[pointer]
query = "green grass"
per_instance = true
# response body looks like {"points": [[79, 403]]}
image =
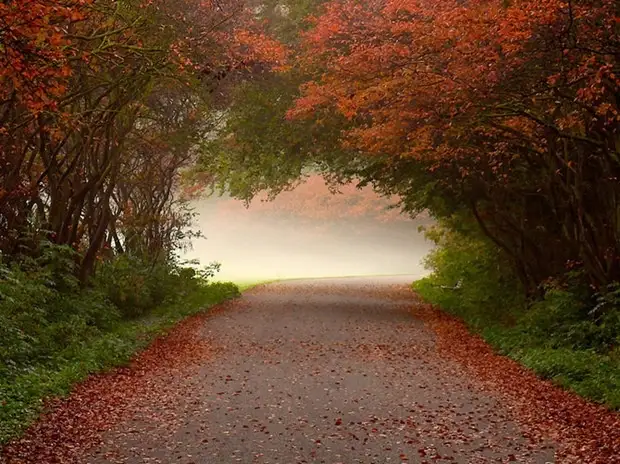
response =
{"points": [[557, 351], [570, 336], [22, 396], [245, 285]]}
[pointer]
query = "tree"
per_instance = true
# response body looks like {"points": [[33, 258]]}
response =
{"points": [[103, 104], [512, 108], [315, 200]]}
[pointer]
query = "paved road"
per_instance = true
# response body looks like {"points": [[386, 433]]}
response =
{"points": [[319, 371]]}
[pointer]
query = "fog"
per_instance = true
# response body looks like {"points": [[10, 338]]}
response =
{"points": [[294, 238]]}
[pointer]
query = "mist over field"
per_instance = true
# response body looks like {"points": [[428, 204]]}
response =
{"points": [[308, 235]]}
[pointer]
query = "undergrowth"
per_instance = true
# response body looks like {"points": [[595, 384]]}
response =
{"points": [[54, 333], [570, 335]]}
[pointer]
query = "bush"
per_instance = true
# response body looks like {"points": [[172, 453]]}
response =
{"points": [[135, 287], [571, 335], [127, 282], [54, 333], [471, 279], [564, 319], [38, 320]]}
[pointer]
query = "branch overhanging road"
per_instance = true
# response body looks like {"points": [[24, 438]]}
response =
{"points": [[316, 371]]}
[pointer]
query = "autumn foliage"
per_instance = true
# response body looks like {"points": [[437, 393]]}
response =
{"points": [[35, 62], [499, 119], [101, 106], [312, 201], [511, 109]]}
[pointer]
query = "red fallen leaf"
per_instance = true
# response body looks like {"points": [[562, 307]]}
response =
{"points": [[338, 421], [586, 432], [75, 424]]}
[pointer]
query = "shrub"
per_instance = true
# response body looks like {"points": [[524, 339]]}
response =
{"points": [[471, 279], [53, 333], [37, 321], [124, 280], [571, 335]]}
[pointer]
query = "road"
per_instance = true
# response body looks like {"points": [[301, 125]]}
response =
{"points": [[318, 371]]}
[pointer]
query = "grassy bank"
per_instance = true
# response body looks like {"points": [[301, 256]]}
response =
{"points": [[570, 336], [53, 333], [245, 285]]}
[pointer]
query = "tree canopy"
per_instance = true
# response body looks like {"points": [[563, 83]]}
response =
{"points": [[500, 113], [102, 105]]}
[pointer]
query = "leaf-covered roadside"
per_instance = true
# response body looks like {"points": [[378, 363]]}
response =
{"points": [[74, 423], [570, 336], [55, 334], [587, 433]]}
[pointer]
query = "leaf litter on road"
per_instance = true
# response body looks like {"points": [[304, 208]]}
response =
{"points": [[320, 371]]}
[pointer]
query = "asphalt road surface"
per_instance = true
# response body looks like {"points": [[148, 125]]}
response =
{"points": [[319, 371]]}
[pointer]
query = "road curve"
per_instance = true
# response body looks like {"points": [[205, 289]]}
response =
{"points": [[319, 371]]}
